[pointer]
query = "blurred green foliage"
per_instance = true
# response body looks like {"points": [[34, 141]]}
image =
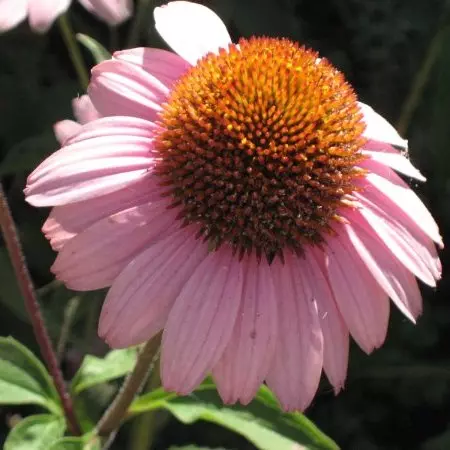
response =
{"points": [[398, 398]]}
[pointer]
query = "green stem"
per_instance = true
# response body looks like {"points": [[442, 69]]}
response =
{"points": [[69, 315], [74, 50], [144, 426], [420, 81], [140, 18], [114, 415]]}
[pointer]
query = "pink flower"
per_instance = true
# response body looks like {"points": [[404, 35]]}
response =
{"points": [[239, 198], [42, 13]]}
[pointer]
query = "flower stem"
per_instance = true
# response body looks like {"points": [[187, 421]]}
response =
{"points": [[114, 415], [69, 315], [31, 303], [74, 50], [420, 81], [144, 426]]}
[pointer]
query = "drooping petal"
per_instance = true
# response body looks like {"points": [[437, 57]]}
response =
{"points": [[383, 186], [391, 157], [390, 274], [363, 304], [12, 12], [140, 299], [94, 258], [113, 12], [83, 109], [335, 334], [118, 88], [165, 66], [192, 30], [65, 129], [379, 129], [42, 13], [107, 155], [296, 367], [248, 355], [201, 321], [65, 222], [407, 243]]}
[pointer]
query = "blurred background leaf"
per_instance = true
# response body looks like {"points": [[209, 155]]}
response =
{"points": [[35, 433], [93, 370], [98, 52], [73, 443]]}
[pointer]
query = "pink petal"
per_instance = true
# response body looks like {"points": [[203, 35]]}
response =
{"points": [[295, 370], [84, 110], [246, 359], [362, 303], [393, 278], [94, 258], [139, 301], [382, 186], [113, 12], [65, 222], [120, 88], [391, 157], [65, 129], [335, 334], [379, 129], [165, 66], [192, 30], [201, 321], [42, 13], [12, 12], [408, 244], [105, 156]]}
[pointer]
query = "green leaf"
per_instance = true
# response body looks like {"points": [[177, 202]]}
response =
{"points": [[35, 433], [23, 378], [195, 447], [77, 443], [98, 52], [93, 370], [27, 154], [261, 422]]}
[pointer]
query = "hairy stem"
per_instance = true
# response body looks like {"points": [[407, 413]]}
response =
{"points": [[114, 415], [31, 303]]}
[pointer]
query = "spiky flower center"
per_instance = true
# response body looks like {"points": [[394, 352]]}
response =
{"points": [[260, 146]]}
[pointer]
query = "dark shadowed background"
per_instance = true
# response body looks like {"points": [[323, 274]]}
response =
{"points": [[396, 53]]}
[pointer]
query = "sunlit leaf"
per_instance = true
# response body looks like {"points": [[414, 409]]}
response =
{"points": [[35, 433], [261, 422], [23, 378], [93, 370]]}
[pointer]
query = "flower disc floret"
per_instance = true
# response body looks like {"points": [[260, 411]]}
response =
{"points": [[259, 146]]}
